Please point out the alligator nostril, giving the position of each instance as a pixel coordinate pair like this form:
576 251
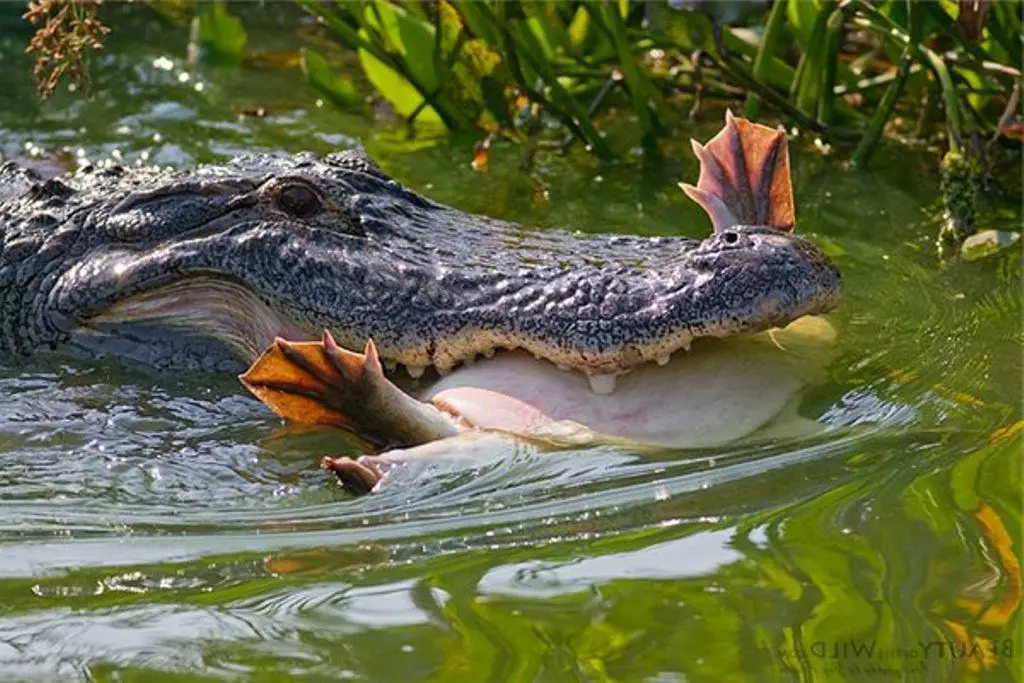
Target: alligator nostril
730 237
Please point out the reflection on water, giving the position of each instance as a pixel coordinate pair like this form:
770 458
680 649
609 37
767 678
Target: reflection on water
153 523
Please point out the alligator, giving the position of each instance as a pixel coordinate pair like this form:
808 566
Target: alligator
205 269
706 397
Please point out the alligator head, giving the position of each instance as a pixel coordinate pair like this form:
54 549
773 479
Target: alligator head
191 269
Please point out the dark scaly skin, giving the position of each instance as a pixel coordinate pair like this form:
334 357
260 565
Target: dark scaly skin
293 245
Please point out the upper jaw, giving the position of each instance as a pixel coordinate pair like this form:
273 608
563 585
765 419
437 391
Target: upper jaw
420 320
389 281
318 279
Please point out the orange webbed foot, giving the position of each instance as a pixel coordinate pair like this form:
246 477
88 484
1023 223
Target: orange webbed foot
744 177
323 383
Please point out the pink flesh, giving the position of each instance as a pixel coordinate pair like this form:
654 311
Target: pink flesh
490 409
717 393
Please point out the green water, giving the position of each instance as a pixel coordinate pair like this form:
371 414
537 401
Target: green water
167 527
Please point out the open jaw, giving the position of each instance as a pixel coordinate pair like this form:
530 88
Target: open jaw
600 321
205 269
751 275
721 392
434 287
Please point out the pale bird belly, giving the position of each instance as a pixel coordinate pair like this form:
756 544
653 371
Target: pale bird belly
718 392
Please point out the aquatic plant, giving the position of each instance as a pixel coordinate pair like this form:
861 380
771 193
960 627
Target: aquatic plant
843 70
847 71
68 31
554 72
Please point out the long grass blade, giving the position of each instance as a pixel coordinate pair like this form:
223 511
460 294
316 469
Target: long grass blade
643 93
765 53
870 140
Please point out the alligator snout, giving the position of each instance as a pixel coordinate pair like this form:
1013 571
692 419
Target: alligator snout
763 278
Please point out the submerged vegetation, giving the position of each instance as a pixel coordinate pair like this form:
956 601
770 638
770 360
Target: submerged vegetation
548 74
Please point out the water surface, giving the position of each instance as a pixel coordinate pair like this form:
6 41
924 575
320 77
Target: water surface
168 524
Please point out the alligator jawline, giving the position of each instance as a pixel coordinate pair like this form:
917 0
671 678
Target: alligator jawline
444 356
211 306
231 313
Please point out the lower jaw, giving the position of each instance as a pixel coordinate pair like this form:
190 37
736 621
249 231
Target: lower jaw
157 346
202 322
723 390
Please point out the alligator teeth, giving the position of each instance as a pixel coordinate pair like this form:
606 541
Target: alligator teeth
563 367
662 360
602 384
685 346
489 353
415 371
390 365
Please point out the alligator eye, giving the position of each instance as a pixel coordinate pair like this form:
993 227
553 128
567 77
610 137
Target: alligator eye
730 237
298 200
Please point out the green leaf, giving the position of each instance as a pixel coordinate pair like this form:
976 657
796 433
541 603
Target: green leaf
813 61
480 20
519 41
1004 24
409 36
538 27
217 35
833 40
381 23
370 51
492 90
644 94
451 26
415 7
765 54
403 97
802 14
547 26
340 91
586 41
696 34
978 101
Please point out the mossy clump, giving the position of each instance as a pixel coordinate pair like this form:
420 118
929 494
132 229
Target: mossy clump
959 184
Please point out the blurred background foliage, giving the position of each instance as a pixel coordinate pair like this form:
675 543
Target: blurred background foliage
841 69
549 73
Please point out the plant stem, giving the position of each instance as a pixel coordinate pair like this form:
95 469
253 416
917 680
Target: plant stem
595 105
1008 114
867 144
809 93
765 54
833 41
948 97
722 61
571 116
926 121
867 84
